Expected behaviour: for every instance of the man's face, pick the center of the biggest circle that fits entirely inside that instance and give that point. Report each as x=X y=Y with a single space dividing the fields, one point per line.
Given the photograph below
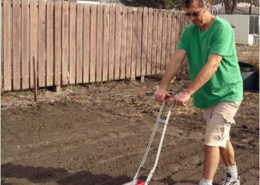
x=197 y=15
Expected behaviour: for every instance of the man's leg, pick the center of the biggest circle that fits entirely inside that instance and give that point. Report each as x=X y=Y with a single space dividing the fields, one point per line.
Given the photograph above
x=228 y=157
x=227 y=154
x=219 y=119
x=211 y=162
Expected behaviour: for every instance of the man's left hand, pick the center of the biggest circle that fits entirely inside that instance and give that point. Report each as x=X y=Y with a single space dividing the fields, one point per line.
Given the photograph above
x=181 y=98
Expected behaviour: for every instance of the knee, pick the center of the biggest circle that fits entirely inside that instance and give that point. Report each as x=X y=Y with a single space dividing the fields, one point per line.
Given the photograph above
x=210 y=149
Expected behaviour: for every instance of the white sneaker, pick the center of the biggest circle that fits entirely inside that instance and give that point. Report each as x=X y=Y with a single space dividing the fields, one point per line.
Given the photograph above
x=229 y=181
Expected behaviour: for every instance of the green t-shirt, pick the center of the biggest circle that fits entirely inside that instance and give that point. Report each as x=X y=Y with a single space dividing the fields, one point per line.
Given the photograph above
x=226 y=84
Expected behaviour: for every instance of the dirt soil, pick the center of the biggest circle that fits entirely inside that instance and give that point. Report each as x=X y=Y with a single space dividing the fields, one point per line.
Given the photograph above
x=97 y=134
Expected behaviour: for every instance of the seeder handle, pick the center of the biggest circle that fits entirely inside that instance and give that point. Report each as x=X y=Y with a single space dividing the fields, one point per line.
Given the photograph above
x=158 y=120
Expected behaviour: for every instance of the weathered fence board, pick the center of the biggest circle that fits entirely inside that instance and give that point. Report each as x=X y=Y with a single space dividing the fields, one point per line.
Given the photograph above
x=123 y=47
x=168 y=41
x=86 y=43
x=154 y=46
x=25 y=45
x=99 y=43
x=7 y=46
x=50 y=44
x=134 y=45
x=159 y=44
x=57 y=36
x=79 y=43
x=173 y=34
x=106 y=44
x=93 y=43
x=144 y=41
x=16 y=45
x=164 y=38
x=139 y=42
x=42 y=53
x=72 y=44
x=65 y=43
x=111 y=43
x=129 y=41
x=149 y=42
x=177 y=29
x=34 y=39
x=117 y=42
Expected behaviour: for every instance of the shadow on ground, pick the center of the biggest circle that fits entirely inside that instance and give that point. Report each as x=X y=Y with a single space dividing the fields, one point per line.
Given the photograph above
x=40 y=175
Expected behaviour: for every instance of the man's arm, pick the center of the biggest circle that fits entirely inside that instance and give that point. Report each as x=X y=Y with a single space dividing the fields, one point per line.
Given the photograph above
x=204 y=75
x=170 y=72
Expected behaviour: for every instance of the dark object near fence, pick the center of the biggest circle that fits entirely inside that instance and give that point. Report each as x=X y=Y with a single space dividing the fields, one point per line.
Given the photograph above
x=250 y=76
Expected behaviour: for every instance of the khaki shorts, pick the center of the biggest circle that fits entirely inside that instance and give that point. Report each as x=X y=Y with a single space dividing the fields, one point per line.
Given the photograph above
x=219 y=119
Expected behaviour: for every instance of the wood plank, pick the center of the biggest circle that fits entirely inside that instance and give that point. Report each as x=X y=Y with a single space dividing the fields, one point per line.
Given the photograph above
x=181 y=23
x=33 y=39
x=111 y=44
x=144 y=41
x=7 y=48
x=35 y=88
x=65 y=43
x=72 y=43
x=57 y=53
x=150 y=42
x=99 y=43
x=42 y=52
x=106 y=44
x=93 y=46
x=184 y=22
x=118 y=42
x=168 y=41
x=177 y=28
x=188 y=21
x=123 y=47
x=129 y=41
x=49 y=52
x=173 y=34
x=86 y=57
x=134 y=44
x=25 y=48
x=139 y=42
x=16 y=45
x=164 y=38
x=79 y=43
x=154 y=46
x=159 y=43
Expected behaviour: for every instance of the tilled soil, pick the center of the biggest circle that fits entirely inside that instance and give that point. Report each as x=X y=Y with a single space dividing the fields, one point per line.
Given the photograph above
x=97 y=134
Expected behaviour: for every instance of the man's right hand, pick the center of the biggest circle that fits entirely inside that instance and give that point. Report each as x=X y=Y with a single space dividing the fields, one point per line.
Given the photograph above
x=160 y=94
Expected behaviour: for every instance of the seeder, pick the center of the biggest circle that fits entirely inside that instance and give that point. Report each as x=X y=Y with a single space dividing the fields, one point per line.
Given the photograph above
x=159 y=120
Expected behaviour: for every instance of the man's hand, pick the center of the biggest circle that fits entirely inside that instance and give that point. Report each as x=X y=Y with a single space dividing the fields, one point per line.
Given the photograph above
x=160 y=94
x=181 y=98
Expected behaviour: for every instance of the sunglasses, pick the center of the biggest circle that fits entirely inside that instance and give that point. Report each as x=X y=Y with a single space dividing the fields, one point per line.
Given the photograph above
x=194 y=14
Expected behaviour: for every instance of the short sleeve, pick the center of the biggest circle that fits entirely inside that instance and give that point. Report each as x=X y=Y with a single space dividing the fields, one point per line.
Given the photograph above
x=223 y=41
x=183 y=41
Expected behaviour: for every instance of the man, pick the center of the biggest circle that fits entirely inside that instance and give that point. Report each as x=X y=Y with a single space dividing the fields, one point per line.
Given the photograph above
x=216 y=83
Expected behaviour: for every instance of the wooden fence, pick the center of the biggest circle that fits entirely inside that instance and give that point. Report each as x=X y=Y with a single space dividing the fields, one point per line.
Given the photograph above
x=81 y=43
